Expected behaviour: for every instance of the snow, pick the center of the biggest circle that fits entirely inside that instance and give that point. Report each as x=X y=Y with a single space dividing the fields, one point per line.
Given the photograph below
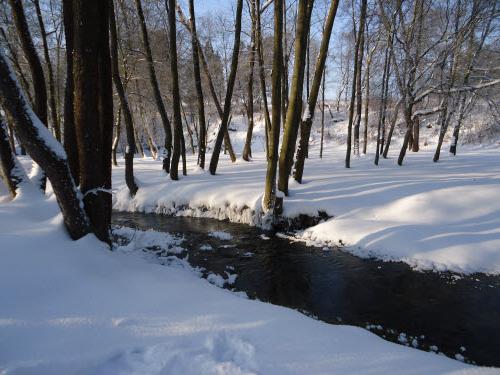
x=221 y=235
x=433 y=216
x=75 y=307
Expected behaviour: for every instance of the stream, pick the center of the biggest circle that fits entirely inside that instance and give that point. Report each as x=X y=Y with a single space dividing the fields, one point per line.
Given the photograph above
x=455 y=315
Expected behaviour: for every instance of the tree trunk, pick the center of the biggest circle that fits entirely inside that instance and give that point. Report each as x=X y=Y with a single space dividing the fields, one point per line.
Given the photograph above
x=177 y=120
x=69 y=134
x=247 y=150
x=308 y=117
x=322 y=114
x=269 y=200
x=359 y=90
x=199 y=91
x=10 y=169
x=229 y=91
x=35 y=66
x=44 y=150
x=93 y=104
x=391 y=131
x=295 y=101
x=383 y=101
x=156 y=89
x=31 y=55
x=127 y=115
x=416 y=134
x=262 y=75
x=116 y=140
x=17 y=66
x=48 y=62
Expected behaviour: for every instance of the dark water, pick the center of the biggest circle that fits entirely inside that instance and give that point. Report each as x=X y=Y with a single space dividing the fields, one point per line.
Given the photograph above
x=415 y=308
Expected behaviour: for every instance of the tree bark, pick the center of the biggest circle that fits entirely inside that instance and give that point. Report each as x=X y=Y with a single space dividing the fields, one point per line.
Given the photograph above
x=295 y=101
x=69 y=134
x=177 y=120
x=308 y=117
x=269 y=200
x=116 y=140
x=229 y=90
x=93 y=104
x=44 y=150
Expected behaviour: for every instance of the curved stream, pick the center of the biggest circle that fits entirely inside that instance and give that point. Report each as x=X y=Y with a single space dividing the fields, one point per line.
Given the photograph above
x=443 y=312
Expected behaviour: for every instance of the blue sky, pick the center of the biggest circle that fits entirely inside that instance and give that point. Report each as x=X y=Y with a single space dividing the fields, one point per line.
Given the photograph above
x=204 y=6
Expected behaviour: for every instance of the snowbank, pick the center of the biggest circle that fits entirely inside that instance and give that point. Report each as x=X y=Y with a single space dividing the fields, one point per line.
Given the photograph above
x=441 y=216
x=75 y=307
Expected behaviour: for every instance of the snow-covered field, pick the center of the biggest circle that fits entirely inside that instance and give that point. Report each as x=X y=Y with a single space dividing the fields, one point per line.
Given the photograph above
x=441 y=216
x=75 y=307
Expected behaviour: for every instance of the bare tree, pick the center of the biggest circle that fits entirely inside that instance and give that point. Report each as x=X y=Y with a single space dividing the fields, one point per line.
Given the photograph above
x=269 y=201
x=170 y=5
x=199 y=91
x=50 y=73
x=295 y=100
x=156 y=89
x=308 y=117
x=229 y=90
x=125 y=109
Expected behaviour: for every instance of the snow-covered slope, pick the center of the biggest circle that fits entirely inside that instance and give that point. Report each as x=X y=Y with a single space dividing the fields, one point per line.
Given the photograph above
x=443 y=216
x=75 y=307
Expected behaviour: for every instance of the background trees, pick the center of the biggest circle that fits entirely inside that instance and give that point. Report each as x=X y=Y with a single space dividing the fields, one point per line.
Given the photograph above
x=417 y=63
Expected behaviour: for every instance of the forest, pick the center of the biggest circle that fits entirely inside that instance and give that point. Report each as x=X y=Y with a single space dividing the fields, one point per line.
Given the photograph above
x=328 y=165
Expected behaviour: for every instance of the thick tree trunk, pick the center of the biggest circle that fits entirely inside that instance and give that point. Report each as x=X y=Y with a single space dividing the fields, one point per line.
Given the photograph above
x=44 y=150
x=127 y=115
x=229 y=91
x=308 y=117
x=156 y=89
x=52 y=89
x=269 y=200
x=199 y=91
x=295 y=101
x=93 y=103
x=69 y=134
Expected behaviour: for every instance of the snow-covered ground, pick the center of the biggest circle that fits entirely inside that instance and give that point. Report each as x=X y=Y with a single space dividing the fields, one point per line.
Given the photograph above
x=441 y=216
x=75 y=307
